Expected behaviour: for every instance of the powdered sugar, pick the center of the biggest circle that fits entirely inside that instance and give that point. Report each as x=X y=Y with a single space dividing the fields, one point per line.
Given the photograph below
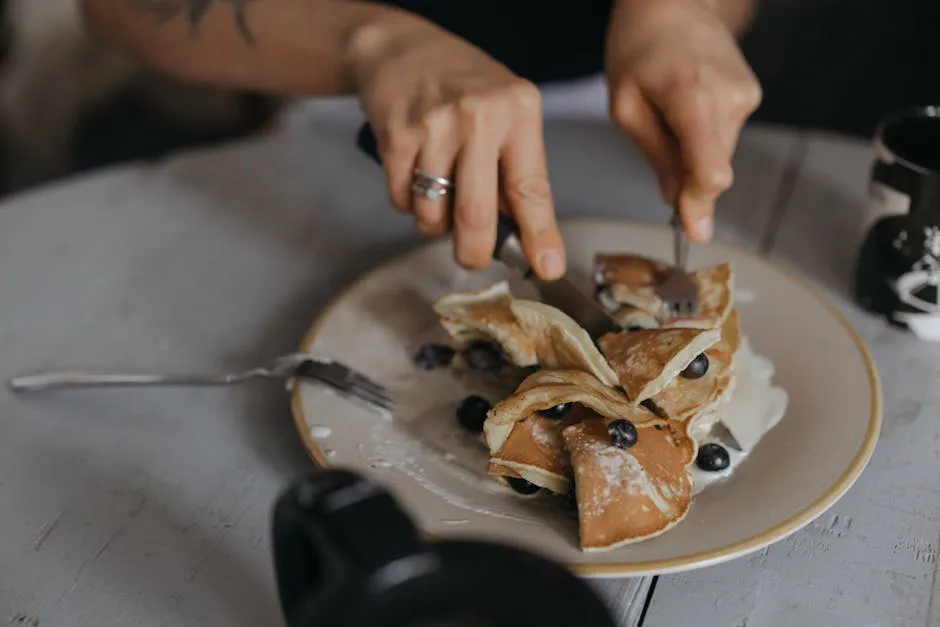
x=547 y=436
x=622 y=471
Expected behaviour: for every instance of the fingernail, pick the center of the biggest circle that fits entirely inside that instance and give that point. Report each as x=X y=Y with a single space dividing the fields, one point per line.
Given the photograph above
x=550 y=264
x=704 y=228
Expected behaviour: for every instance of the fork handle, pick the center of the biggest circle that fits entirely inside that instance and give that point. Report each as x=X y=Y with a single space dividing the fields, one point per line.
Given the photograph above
x=680 y=242
x=63 y=379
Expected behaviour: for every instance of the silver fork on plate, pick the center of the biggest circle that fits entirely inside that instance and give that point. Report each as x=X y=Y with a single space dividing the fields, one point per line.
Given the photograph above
x=333 y=374
x=679 y=292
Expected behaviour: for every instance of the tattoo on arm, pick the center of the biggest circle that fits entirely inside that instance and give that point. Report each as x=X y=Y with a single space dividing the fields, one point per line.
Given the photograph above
x=195 y=10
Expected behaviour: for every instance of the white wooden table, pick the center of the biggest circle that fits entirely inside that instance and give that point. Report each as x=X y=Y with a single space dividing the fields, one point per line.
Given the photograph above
x=150 y=507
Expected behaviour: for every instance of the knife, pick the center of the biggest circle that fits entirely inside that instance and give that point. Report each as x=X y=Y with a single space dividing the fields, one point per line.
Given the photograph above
x=721 y=433
x=561 y=293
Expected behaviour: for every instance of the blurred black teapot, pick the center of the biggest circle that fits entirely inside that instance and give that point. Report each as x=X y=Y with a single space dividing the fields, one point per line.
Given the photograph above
x=346 y=555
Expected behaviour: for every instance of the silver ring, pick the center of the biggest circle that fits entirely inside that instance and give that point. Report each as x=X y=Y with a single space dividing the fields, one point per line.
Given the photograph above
x=430 y=186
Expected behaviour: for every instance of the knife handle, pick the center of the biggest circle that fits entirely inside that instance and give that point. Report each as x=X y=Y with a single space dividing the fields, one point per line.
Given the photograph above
x=508 y=245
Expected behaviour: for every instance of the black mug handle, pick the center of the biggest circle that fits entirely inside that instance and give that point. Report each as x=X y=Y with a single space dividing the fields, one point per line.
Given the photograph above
x=346 y=555
x=506 y=226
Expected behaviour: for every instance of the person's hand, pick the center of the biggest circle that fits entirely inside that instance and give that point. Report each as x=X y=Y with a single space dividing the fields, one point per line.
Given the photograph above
x=681 y=88
x=439 y=105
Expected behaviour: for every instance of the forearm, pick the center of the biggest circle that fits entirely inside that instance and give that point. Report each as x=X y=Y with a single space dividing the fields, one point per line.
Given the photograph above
x=735 y=14
x=278 y=46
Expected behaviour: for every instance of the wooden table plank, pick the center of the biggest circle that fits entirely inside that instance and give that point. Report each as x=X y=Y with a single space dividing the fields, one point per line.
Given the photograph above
x=871 y=560
x=625 y=598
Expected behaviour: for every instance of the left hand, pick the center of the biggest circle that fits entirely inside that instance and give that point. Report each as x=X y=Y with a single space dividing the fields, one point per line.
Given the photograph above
x=681 y=88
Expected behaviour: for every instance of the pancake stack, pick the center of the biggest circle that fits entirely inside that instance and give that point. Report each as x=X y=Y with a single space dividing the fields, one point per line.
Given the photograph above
x=607 y=421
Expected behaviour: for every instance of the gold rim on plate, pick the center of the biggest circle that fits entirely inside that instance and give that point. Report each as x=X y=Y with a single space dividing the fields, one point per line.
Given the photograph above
x=695 y=560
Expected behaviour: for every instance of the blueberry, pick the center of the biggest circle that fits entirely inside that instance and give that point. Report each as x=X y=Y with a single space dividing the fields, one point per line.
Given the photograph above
x=696 y=369
x=483 y=355
x=431 y=356
x=556 y=412
x=712 y=458
x=471 y=413
x=622 y=433
x=522 y=486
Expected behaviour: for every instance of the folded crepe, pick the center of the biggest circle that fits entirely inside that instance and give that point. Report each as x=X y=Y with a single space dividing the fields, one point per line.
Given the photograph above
x=529 y=332
x=629 y=281
x=731 y=338
x=628 y=495
x=486 y=314
x=524 y=443
x=633 y=318
x=646 y=361
x=684 y=399
x=629 y=269
x=534 y=450
x=715 y=298
x=560 y=342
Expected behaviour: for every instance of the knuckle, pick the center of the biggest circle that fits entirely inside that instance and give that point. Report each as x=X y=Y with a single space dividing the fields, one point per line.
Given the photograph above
x=690 y=79
x=529 y=189
x=625 y=113
x=625 y=106
x=687 y=95
x=472 y=217
x=525 y=95
x=438 y=120
x=716 y=180
x=470 y=258
x=475 y=112
x=747 y=96
x=724 y=179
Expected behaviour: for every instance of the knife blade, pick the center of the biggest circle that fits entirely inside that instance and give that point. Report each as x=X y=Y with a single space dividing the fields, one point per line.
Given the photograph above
x=720 y=432
x=561 y=294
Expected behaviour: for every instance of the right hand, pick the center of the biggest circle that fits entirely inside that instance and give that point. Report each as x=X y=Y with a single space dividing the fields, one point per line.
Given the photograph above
x=438 y=104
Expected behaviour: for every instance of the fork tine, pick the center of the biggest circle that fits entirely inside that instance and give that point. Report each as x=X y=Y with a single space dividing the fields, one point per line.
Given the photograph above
x=385 y=400
x=356 y=391
x=361 y=394
x=367 y=383
x=379 y=396
x=382 y=402
x=348 y=381
x=360 y=381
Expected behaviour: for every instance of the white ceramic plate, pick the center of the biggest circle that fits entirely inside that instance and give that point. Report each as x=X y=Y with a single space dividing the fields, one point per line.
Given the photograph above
x=798 y=471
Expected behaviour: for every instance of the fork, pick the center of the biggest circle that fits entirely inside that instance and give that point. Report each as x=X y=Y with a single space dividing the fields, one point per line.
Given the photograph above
x=333 y=374
x=679 y=292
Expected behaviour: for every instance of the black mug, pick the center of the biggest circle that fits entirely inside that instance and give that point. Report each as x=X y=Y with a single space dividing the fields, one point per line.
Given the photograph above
x=898 y=267
x=346 y=555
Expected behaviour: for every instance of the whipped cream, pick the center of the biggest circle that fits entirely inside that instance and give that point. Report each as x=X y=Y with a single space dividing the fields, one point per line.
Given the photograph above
x=753 y=408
